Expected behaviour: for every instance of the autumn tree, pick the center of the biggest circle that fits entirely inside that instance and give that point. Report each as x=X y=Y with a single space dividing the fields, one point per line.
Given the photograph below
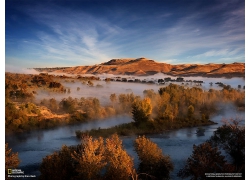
x=190 y=112
x=68 y=104
x=149 y=93
x=152 y=161
x=119 y=163
x=90 y=83
x=11 y=160
x=59 y=165
x=113 y=98
x=165 y=109
x=126 y=101
x=205 y=159
x=53 y=104
x=91 y=158
x=141 y=110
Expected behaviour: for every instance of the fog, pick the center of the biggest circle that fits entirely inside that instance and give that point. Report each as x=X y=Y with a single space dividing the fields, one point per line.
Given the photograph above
x=16 y=69
x=234 y=82
x=102 y=89
x=35 y=145
x=227 y=112
x=102 y=93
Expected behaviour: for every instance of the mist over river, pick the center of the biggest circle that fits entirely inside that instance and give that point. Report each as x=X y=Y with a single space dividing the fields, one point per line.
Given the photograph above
x=102 y=89
x=32 y=147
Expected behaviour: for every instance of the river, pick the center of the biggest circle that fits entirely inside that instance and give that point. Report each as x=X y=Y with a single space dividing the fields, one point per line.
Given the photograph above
x=33 y=146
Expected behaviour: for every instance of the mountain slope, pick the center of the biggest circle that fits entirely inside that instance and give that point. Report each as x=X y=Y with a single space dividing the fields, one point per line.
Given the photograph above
x=143 y=66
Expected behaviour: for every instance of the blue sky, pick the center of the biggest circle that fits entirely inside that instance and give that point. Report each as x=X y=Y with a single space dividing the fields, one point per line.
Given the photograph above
x=55 y=33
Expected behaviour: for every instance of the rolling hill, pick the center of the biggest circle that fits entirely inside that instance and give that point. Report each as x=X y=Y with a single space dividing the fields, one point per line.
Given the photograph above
x=144 y=67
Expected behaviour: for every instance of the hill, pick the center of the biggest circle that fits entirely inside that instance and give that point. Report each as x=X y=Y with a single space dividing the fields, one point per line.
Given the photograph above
x=144 y=67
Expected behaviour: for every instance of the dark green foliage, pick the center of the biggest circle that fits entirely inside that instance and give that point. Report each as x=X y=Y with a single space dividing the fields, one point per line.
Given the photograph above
x=205 y=159
x=141 y=110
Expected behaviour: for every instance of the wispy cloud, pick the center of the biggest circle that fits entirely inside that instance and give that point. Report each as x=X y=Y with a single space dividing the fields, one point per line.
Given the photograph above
x=190 y=38
x=221 y=52
x=77 y=37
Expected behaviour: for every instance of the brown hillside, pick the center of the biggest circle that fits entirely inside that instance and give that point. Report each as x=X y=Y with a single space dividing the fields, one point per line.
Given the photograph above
x=143 y=67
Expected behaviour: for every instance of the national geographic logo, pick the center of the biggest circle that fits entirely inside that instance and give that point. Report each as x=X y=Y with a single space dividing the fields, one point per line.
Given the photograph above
x=18 y=173
x=15 y=171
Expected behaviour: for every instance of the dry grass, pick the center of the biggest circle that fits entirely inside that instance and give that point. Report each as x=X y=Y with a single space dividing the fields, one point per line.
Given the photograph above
x=143 y=66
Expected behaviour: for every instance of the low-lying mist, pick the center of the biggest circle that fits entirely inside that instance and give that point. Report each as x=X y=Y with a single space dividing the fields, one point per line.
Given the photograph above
x=102 y=89
x=227 y=112
x=16 y=69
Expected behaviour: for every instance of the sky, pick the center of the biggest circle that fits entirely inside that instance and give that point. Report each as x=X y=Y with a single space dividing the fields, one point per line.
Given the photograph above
x=59 y=33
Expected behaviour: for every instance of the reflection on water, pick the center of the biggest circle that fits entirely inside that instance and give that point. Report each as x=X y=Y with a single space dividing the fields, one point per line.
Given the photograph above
x=32 y=147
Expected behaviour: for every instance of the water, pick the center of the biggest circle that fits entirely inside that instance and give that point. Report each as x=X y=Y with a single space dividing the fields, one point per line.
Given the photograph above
x=34 y=146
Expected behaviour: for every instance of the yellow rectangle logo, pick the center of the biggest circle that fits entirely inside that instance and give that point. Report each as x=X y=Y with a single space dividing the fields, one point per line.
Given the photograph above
x=9 y=171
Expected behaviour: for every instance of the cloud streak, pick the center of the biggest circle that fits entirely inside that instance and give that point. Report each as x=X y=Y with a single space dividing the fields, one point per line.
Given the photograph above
x=71 y=37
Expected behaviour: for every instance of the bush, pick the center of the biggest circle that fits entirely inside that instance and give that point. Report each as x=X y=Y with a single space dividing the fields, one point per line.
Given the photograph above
x=152 y=161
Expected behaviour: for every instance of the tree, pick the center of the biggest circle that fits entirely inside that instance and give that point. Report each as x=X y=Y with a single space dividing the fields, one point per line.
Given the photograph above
x=205 y=159
x=68 y=105
x=11 y=160
x=119 y=163
x=90 y=83
x=91 y=158
x=113 y=99
x=231 y=138
x=126 y=101
x=152 y=161
x=190 y=113
x=149 y=93
x=53 y=104
x=141 y=110
x=59 y=165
